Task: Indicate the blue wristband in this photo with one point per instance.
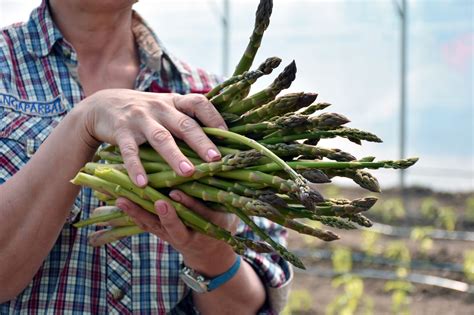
(226, 276)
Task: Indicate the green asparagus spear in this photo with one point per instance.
(262, 20)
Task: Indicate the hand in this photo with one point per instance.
(128, 118)
(204, 254)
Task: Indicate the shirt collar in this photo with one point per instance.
(42, 33)
(151, 48)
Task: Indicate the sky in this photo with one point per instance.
(347, 51)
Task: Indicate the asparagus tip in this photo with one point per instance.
(262, 16)
(269, 64)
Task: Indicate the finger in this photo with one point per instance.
(191, 203)
(102, 237)
(225, 220)
(129, 151)
(197, 105)
(111, 210)
(162, 141)
(142, 218)
(105, 210)
(175, 228)
(189, 130)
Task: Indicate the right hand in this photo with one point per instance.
(128, 118)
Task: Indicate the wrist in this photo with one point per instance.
(211, 264)
(83, 116)
(202, 284)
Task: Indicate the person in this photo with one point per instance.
(77, 74)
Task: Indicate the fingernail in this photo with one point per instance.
(185, 167)
(213, 154)
(223, 127)
(161, 208)
(141, 181)
(175, 195)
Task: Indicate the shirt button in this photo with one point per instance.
(30, 151)
(30, 147)
(117, 294)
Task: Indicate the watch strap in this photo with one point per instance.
(216, 282)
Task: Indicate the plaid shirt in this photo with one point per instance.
(38, 87)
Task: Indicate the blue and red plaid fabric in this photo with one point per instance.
(38, 87)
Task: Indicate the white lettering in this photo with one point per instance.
(38, 108)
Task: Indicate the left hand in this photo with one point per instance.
(204, 254)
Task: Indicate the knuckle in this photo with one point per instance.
(160, 135)
(155, 226)
(209, 111)
(200, 101)
(202, 142)
(135, 111)
(129, 150)
(132, 165)
(120, 123)
(199, 98)
(175, 155)
(163, 105)
(186, 124)
(141, 225)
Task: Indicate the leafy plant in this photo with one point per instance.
(299, 301)
(443, 217)
(397, 250)
(422, 236)
(350, 301)
(369, 243)
(447, 218)
(468, 265)
(401, 290)
(390, 210)
(469, 212)
(342, 260)
(429, 208)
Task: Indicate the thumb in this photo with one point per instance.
(170, 221)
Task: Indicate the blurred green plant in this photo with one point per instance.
(390, 210)
(400, 288)
(447, 218)
(299, 301)
(341, 260)
(397, 250)
(443, 217)
(468, 265)
(469, 212)
(352, 299)
(369, 243)
(429, 208)
(421, 235)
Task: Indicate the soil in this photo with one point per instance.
(425, 299)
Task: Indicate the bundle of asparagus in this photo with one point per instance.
(272, 163)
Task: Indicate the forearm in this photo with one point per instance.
(35, 203)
